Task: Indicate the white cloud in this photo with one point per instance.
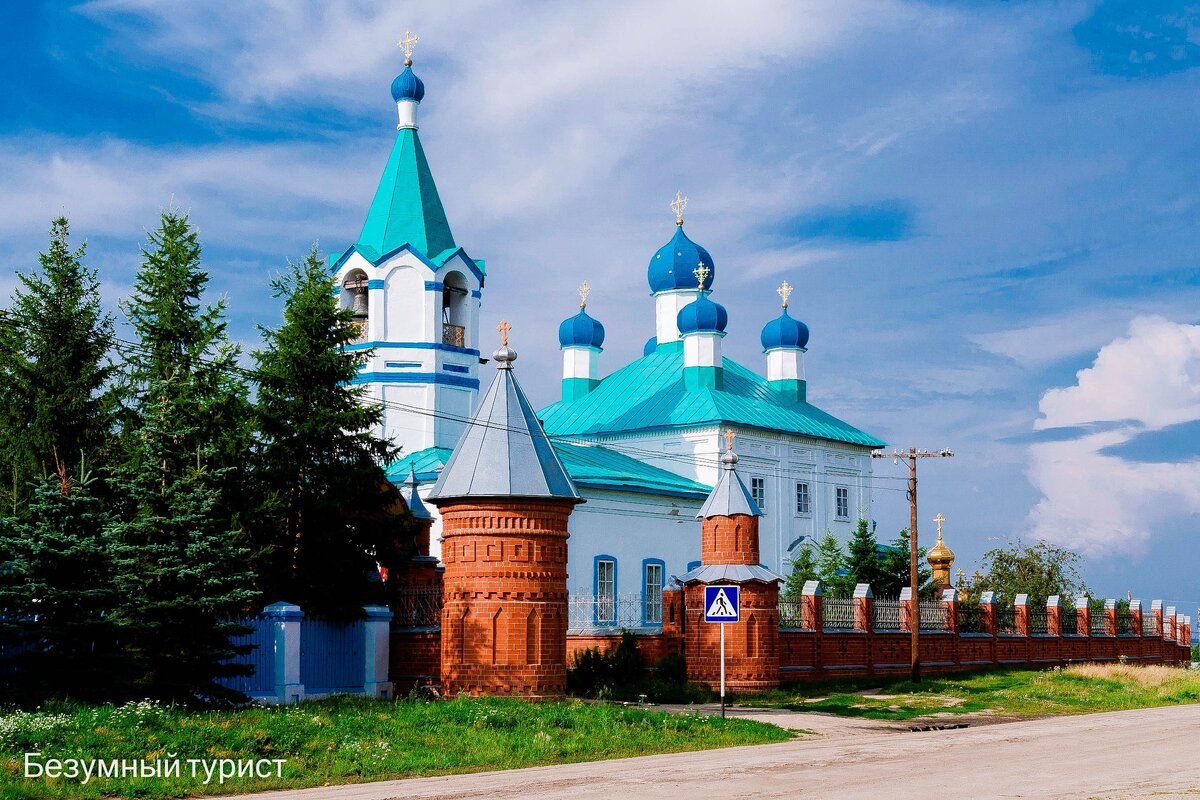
(1099, 503)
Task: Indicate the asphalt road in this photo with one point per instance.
(1126, 754)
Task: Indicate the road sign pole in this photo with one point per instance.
(722, 670)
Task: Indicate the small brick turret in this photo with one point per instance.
(729, 554)
(504, 500)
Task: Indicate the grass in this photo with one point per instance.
(1078, 689)
(347, 740)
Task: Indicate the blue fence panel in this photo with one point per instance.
(331, 656)
(262, 658)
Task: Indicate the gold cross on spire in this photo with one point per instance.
(702, 272)
(504, 328)
(584, 291)
(784, 291)
(729, 435)
(407, 44)
(939, 519)
(678, 205)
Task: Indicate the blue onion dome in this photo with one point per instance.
(671, 267)
(702, 316)
(784, 331)
(580, 331)
(408, 86)
(651, 346)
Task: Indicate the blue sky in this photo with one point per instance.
(989, 210)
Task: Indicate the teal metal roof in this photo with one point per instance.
(650, 393)
(589, 466)
(406, 208)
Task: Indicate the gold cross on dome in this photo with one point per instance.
(939, 519)
(702, 272)
(407, 44)
(678, 205)
(584, 291)
(784, 291)
(729, 435)
(504, 328)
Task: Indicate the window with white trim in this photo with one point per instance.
(758, 490)
(606, 584)
(652, 595)
(803, 499)
(841, 496)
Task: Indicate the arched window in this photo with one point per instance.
(355, 298)
(455, 295)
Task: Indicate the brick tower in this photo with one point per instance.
(729, 555)
(504, 499)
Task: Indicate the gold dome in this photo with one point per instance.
(940, 554)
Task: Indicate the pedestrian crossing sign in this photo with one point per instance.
(722, 603)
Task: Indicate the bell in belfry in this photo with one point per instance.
(360, 302)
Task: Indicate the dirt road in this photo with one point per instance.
(1120, 755)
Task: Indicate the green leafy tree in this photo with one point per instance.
(895, 574)
(804, 569)
(324, 521)
(1039, 570)
(55, 404)
(182, 579)
(831, 566)
(56, 592)
(863, 560)
(184, 349)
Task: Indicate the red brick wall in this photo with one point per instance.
(504, 619)
(414, 658)
(729, 540)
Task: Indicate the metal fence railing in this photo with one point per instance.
(838, 613)
(1006, 619)
(887, 614)
(1124, 622)
(1147, 624)
(933, 617)
(1039, 622)
(1070, 621)
(610, 611)
(1098, 624)
(417, 608)
(791, 615)
(970, 618)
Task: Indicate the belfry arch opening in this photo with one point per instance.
(455, 295)
(355, 298)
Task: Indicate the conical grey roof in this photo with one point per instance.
(504, 451)
(415, 506)
(730, 496)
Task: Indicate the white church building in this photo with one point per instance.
(641, 442)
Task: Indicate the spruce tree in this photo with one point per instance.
(863, 560)
(896, 568)
(831, 566)
(184, 348)
(324, 523)
(55, 405)
(183, 580)
(804, 569)
(57, 592)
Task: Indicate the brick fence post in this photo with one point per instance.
(812, 615)
(949, 600)
(864, 608)
(285, 619)
(1156, 611)
(1054, 615)
(1083, 615)
(907, 608)
(1135, 617)
(1021, 614)
(1169, 632)
(987, 609)
(377, 638)
(1110, 617)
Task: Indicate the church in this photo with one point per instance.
(642, 443)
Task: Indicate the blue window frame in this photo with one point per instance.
(654, 572)
(692, 565)
(604, 588)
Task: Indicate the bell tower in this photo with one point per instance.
(414, 292)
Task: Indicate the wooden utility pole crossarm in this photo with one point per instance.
(915, 604)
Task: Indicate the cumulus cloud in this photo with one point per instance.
(1095, 501)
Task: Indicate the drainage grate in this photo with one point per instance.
(953, 726)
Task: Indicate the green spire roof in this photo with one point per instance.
(406, 208)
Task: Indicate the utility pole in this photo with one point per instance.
(915, 622)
